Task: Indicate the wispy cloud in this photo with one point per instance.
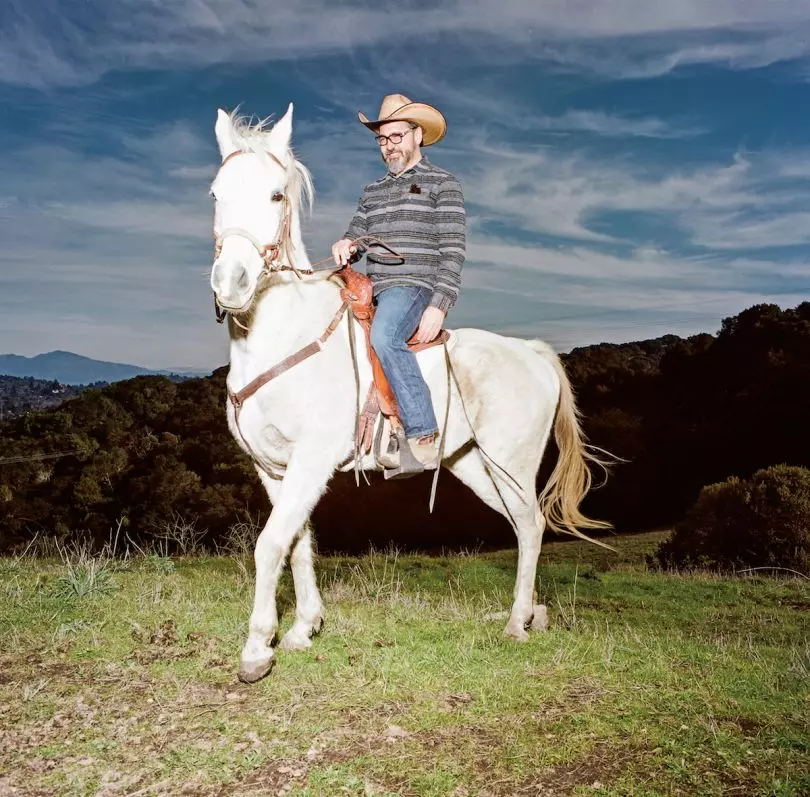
(742, 231)
(109, 254)
(605, 124)
(751, 201)
(576, 296)
(52, 43)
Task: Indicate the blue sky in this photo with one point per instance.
(631, 167)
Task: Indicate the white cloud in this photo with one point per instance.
(751, 201)
(147, 217)
(579, 296)
(43, 43)
(639, 280)
(740, 231)
(605, 124)
(109, 256)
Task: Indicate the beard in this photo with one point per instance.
(397, 160)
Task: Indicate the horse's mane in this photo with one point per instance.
(250, 136)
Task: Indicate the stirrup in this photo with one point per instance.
(389, 458)
(408, 464)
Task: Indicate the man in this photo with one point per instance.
(418, 210)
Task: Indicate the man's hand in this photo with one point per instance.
(342, 251)
(430, 325)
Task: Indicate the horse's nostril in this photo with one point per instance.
(234, 278)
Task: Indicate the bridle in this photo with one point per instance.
(269, 253)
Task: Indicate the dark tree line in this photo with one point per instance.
(19, 395)
(715, 407)
(683, 413)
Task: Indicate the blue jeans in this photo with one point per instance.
(399, 310)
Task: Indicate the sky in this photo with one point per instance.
(631, 168)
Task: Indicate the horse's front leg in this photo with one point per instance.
(308, 604)
(304, 483)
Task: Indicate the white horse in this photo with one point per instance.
(299, 427)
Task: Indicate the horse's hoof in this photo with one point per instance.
(519, 634)
(540, 618)
(252, 671)
(299, 637)
(295, 642)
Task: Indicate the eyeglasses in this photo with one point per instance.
(394, 138)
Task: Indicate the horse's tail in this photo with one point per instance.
(571, 478)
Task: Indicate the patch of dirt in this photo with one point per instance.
(337, 746)
(747, 726)
(604, 764)
(612, 605)
(579, 694)
(119, 700)
(277, 778)
(802, 606)
(458, 700)
(165, 634)
(40, 665)
(7, 789)
(164, 645)
(115, 783)
(362, 736)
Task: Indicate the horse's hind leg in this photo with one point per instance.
(530, 540)
(529, 526)
(308, 604)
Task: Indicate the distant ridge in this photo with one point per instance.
(74, 369)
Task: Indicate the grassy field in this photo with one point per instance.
(122, 680)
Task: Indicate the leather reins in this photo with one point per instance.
(238, 398)
(271, 253)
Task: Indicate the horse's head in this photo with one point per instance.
(256, 192)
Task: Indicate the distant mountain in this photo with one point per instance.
(74, 369)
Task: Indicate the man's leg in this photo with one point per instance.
(399, 310)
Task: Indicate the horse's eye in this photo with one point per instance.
(277, 196)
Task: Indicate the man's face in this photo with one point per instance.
(397, 157)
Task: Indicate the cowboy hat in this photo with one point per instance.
(398, 108)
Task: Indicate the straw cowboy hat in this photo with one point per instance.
(398, 108)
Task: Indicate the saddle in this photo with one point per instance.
(358, 291)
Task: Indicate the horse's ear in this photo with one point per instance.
(281, 133)
(223, 129)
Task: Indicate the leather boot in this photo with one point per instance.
(426, 452)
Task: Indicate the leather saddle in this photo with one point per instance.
(358, 291)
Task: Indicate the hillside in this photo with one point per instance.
(123, 681)
(20, 394)
(681, 413)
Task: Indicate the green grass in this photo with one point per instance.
(645, 684)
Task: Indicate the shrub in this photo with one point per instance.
(763, 521)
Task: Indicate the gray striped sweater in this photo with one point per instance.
(420, 214)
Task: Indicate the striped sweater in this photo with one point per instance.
(420, 214)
